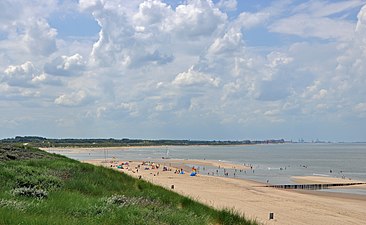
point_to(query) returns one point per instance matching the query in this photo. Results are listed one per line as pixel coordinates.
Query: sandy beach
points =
(252, 198)
(321, 180)
(77, 150)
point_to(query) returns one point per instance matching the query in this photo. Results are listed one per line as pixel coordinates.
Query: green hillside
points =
(41, 188)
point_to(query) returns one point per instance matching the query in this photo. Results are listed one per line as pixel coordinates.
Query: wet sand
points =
(252, 198)
(322, 180)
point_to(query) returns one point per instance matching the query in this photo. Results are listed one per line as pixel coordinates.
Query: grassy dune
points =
(41, 188)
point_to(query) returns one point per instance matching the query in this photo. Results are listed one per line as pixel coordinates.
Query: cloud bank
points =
(200, 69)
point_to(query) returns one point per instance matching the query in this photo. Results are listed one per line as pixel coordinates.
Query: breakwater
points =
(312, 186)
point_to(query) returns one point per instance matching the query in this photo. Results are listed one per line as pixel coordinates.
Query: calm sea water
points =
(275, 163)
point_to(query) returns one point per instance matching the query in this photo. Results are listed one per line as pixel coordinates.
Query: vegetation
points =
(70, 142)
(41, 188)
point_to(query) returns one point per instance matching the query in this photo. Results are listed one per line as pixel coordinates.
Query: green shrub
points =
(122, 201)
(30, 192)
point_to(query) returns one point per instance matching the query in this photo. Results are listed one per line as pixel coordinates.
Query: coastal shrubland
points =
(125, 142)
(41, 188)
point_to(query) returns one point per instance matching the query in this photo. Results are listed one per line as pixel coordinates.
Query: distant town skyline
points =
(195, 69)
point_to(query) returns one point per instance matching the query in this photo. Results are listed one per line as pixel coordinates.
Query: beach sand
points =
(322, 180)
(252, 198)
(77, 150)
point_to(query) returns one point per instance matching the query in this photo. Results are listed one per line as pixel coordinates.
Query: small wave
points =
(272, 168)
(321, 175)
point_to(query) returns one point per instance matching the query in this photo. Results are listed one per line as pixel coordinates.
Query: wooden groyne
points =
(312, 186)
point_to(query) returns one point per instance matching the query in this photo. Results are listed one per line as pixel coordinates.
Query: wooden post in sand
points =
(271, 215)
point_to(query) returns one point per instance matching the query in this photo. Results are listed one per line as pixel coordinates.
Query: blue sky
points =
(194, 69)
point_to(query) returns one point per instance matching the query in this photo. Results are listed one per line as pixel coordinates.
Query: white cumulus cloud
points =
(192, 77)
(40, 38)
(198, 18)
(227, 44)
(73, 99)
(228, 5)
(20, 75)
(66, 65)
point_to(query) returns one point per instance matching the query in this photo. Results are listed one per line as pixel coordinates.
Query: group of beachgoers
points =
(148, 165)
(151, 165)
(219, 171)
(234, 171)
(156, 168)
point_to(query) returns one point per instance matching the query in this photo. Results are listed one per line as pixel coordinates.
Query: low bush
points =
(30, 192)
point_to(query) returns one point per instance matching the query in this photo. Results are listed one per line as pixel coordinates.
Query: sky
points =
(192, 69)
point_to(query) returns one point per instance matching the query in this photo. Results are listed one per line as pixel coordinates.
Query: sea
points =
(270, 163)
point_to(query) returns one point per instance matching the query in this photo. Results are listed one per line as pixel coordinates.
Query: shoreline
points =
(203, 163)
(252, 198)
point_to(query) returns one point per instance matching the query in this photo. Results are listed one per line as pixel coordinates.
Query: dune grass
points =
(58, 190)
